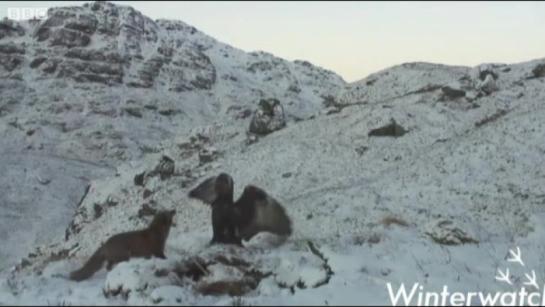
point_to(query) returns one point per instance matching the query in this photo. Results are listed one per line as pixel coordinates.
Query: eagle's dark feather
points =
(205, 191)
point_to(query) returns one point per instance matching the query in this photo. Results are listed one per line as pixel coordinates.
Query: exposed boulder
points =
(484, 78)
(37, 62)
(446, 232)
(488, 85)
(269, 117)
(165, 168)
(42, 34)
(139, 179)
(50, 65)
(486, 70)
(538, 71)
(208, 154)
(452, 91)
(133, 112)
(393, 129)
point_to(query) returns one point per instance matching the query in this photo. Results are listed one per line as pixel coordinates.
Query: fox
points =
(143, 243)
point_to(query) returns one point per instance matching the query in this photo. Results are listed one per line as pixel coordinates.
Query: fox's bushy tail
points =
(91, 266)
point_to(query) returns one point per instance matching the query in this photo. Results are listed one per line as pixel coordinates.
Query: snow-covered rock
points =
(488, 85)
(268, 118)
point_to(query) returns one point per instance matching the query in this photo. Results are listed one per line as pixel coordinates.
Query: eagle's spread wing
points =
(205, 191)
(261, 212)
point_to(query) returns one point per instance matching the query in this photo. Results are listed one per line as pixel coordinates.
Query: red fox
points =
(123, 246)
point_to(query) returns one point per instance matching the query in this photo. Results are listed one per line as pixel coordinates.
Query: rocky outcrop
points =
(106, 83)
(268, 118)
(10, 28)
(104, 44)
(105, 72)
(94, 55)
(393, 129)
(484, 78)
(447, 232)
(147, 73)
(11, 56)
(488, 85)
(69, 38)
(165, 168)
(185, 70)
(452, 91)
(64, 27)
(538, 71)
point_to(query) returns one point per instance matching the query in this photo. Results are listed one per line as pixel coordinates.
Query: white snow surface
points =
(451, 177)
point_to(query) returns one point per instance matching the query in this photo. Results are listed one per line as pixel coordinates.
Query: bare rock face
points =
(11, 57)
(488, 85)
(10, 28)
(69, 38)
(73, 29)
(193, 60)
(268, 118)
(188, 69)
(65, 27)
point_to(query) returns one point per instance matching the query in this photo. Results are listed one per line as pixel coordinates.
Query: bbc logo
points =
(26, 13)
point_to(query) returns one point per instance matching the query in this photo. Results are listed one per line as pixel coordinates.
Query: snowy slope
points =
(102, 83)
(441, 204)
(465, 172)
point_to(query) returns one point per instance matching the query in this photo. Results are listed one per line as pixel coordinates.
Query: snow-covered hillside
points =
(441, 202)
(99, 84)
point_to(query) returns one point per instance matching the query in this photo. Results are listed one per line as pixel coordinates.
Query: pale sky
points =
(355, 39)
